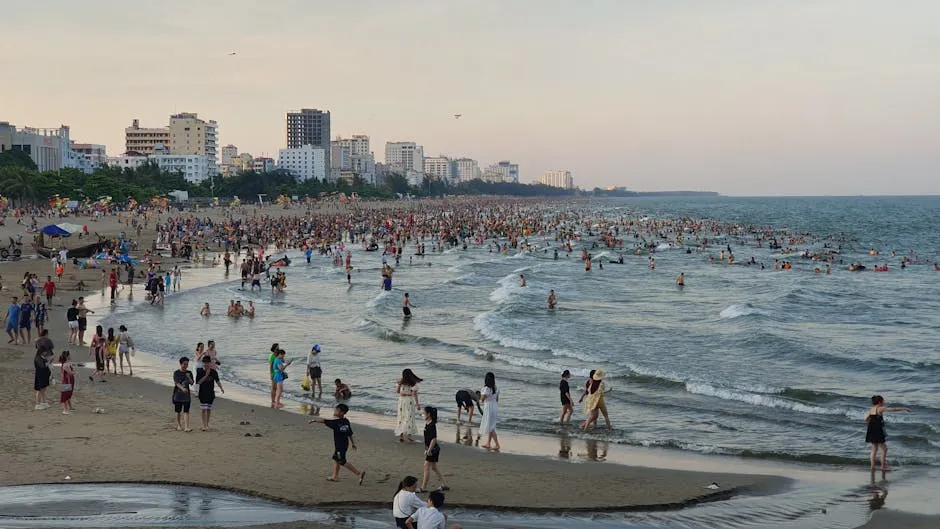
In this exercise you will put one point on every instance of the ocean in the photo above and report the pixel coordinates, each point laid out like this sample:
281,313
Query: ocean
743,361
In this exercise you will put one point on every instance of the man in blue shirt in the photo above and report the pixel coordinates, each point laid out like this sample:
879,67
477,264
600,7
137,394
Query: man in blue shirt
13,321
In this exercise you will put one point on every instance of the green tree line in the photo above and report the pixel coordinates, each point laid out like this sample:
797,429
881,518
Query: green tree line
24,184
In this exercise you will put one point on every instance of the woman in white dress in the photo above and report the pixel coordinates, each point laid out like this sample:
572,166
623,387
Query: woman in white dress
408,405
490,398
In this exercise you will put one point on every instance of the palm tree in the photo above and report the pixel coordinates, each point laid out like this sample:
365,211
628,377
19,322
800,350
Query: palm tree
19,183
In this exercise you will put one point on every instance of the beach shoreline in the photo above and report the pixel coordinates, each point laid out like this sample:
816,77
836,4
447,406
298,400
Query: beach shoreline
45,447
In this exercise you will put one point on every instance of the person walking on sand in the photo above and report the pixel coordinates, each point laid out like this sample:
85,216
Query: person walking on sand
26,320
125,349
111,353
41,363
49,289
98,350
406,502
567,407
68,382
408,405
342,439
315,372
207,377
182,381
13,321
71,315
876,431
490,397
432,449
82,320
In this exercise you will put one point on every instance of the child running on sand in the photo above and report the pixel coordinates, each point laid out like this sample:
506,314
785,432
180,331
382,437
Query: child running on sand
342,439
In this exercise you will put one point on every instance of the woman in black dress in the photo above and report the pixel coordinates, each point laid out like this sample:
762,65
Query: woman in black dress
876,431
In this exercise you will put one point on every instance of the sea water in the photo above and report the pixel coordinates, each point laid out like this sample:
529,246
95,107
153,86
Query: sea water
742,361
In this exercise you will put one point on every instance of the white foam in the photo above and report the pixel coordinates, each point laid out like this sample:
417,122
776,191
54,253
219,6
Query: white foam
482,324
741,309
767,401
374,302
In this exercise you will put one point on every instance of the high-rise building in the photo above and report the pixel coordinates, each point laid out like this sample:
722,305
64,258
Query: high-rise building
358,156
557,178
309,126
503,171
190,135
304,163
263,164
404,156
440,168
48,148
467,169
142,140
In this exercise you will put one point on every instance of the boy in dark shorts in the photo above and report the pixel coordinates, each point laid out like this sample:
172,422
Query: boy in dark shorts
342,438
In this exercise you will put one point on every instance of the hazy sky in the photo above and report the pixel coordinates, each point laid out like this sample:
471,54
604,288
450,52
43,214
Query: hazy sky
741,97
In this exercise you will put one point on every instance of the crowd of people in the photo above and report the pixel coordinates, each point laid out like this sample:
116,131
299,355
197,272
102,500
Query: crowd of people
501,225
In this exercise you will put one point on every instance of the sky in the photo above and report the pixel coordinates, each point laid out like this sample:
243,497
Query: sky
789,97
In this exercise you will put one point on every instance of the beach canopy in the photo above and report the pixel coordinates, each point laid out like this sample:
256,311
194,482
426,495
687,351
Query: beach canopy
71,228
54,231
63,229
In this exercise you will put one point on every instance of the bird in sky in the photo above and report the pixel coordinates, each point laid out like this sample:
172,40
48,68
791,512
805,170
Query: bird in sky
457,116
233,53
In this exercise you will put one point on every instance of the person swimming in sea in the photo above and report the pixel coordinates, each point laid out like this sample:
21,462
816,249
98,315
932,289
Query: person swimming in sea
680,280
521,280
552,300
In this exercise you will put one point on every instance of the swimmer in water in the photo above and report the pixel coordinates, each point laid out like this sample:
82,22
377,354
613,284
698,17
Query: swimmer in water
342,391
680,280
552,300
205,310
521,280
406,306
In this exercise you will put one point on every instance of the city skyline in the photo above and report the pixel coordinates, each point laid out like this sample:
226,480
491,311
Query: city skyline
736,97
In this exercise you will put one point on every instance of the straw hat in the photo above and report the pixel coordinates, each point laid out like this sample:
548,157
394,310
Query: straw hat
599,374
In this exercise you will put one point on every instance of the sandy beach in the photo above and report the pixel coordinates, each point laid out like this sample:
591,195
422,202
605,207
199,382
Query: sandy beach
256,450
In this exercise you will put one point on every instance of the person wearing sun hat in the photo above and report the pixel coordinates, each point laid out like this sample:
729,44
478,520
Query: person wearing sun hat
315,371
594,400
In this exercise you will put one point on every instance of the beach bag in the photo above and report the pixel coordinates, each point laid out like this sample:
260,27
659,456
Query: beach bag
305,383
